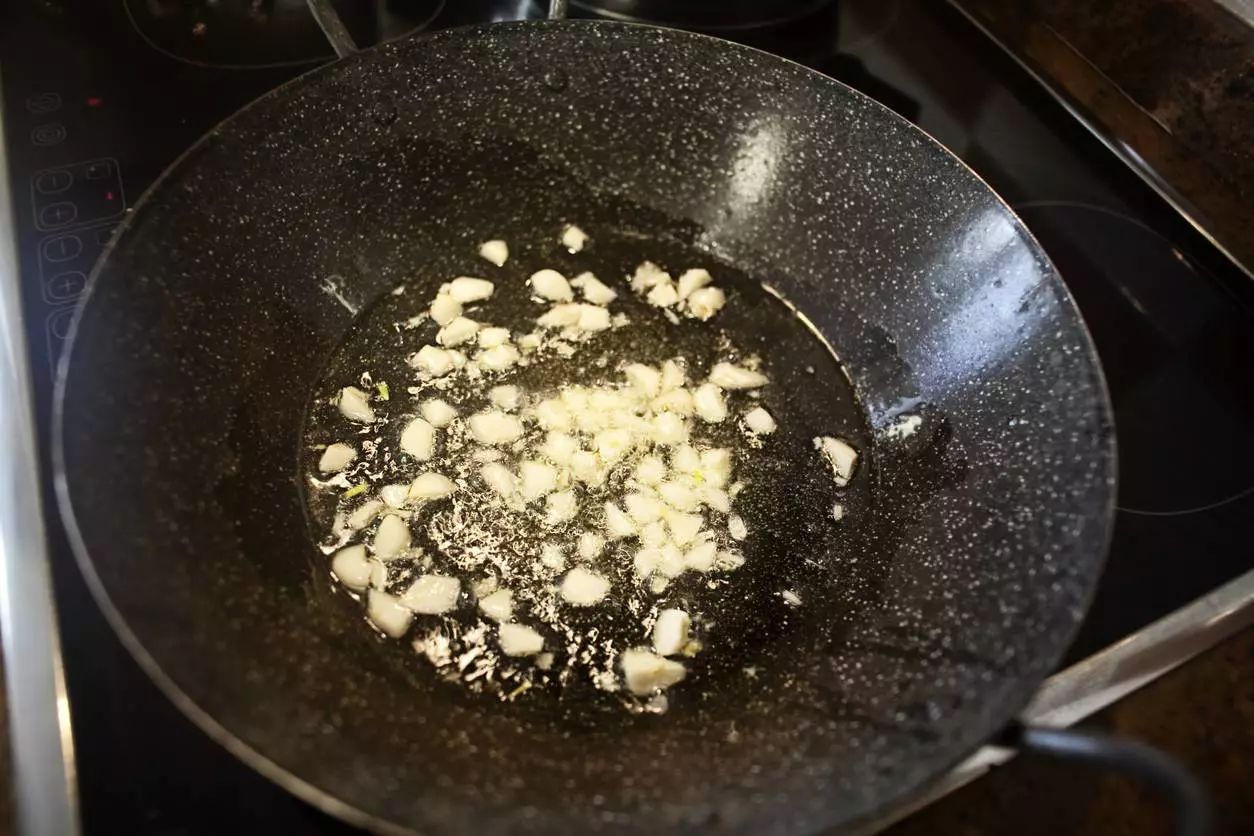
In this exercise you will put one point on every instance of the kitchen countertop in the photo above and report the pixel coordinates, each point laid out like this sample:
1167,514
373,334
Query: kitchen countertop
1170,83
1203,712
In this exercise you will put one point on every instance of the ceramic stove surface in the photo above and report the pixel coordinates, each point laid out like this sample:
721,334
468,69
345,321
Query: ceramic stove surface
100,96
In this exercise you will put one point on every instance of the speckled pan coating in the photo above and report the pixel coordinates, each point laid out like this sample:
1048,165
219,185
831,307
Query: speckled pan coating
210,321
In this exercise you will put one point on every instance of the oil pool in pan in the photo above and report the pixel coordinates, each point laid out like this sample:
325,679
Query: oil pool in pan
487,587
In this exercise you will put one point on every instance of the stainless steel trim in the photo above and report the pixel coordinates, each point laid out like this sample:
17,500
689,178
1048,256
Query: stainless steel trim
44,788
1111,674
1242,10
1133,160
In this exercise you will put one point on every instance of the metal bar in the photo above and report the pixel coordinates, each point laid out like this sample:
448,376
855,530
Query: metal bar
331,25
44,789
1242,10
558,9
1124,152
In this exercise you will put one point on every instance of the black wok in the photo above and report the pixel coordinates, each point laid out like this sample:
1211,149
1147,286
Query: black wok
211,319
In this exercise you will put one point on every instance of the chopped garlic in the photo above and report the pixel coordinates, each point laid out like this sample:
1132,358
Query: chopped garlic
495,251
536,479
737,528
559,448
654,535
520,640
706,302
353,567
716,466
593,289
678,495
644,378
445,309
617,523
678,401
560,507
365,514
590,545
386,613
437,413
552,557
494,427
686,459
645,672
645,561
760,422
506,397
701,557
418,439
709,402
714,498
498,606
585,466
662,296
649,275
551,285
728,376
693,279
498,478
395,496
354,405
574,238
643,509
729,560
669,428
612,445
466,289
336,457
457,332
583,588
431,486
432,594
392,538
670,632
838,512
650,470
840,455
553,415
790,598
434,361
500,358
560,316
670,560
593,318
673,376
492,337
684,527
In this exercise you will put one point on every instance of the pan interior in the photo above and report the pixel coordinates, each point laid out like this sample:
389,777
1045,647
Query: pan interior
219,309
747,627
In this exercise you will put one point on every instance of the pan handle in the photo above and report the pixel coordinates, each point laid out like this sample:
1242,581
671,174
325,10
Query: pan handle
558,8
1181,789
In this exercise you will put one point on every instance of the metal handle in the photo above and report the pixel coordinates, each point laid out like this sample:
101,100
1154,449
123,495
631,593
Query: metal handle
1167,776
342,41
331,25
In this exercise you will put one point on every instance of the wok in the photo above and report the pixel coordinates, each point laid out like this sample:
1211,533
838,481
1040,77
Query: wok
214,313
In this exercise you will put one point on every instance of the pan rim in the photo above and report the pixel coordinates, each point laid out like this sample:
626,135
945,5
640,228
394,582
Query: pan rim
1016,695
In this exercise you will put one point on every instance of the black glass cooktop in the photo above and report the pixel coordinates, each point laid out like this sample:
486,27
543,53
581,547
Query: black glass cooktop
100,95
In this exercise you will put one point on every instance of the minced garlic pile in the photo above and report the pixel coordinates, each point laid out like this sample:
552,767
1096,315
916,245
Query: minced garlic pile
532,508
